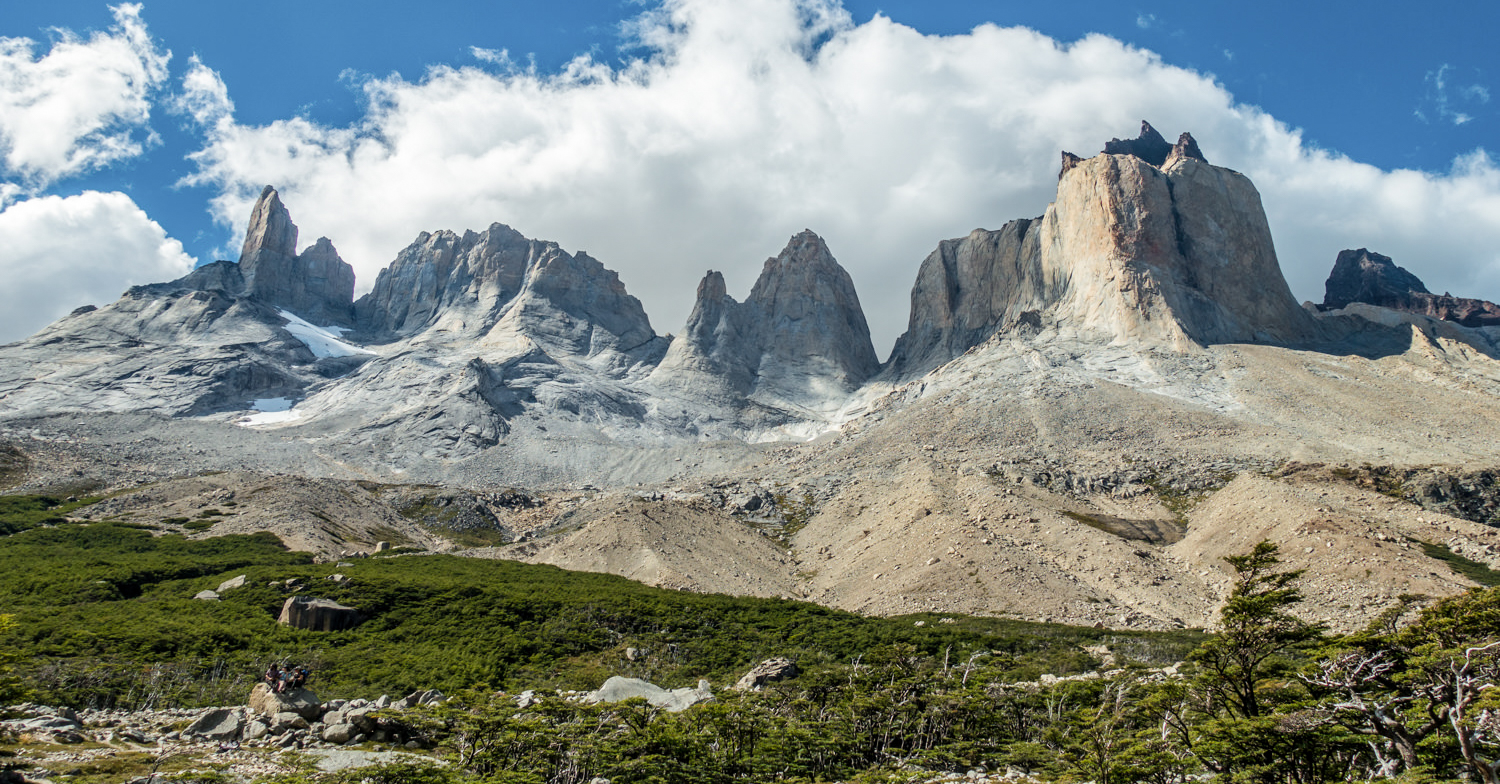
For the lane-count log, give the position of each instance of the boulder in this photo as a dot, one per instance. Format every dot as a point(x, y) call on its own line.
point(255, 729)
point(217, 724)
point(207, 596)
point(338, 733)
point(619, 689)
point(266, 702)
point(231, 584)
point(768, 671)
point(323, 615)
point(288, 720)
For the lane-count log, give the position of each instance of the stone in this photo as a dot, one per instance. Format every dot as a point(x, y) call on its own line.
point(768, 671)
point(231, 584)
point(618, 689)
point(255, 729)
point(207, 596)
point(217, 724)
point(316, 285)
point(324, 615)
point(288, 720)
point(1149, 146)
point(338, 733)
point(267, 703)
point(381, 547)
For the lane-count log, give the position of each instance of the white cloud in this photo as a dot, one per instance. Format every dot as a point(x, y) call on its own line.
point(1145, 21)
point(204, 96)
point(58, 253)
point(83, 105)
point(498, 57)
point(746, 122)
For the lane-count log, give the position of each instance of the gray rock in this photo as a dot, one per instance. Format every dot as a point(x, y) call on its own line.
point(798, 340)
point(288, 720)
point(217, 724)
point(317, 285)
point(618, 689)
point(207, 596)
point(338, 733)
point(267, 703)
point(231, 584)
point(255, 729)
point(324, 615)
point(768, 671)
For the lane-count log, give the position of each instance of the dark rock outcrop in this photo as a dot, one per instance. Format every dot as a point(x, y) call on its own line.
point(768, 671)
point(1149, 146)
point(1365, 276)
point(322, 615)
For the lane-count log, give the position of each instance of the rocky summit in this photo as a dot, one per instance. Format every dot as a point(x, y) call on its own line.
point(1088, 409)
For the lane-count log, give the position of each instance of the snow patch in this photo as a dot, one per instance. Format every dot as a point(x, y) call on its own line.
point(321, 341)
point(271, 411)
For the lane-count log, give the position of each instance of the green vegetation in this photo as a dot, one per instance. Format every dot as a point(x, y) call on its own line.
point(24, 512)
point(1474, 570)
point(107, 617)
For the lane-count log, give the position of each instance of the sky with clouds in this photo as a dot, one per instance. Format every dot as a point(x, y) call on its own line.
point(687, 135)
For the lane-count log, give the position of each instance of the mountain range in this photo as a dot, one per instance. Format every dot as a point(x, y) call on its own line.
point(1088, 409)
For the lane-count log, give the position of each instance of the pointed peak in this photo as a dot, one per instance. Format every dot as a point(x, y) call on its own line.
point(712, 286)
point(1186, 147)
point(1069, 160)
point(1149, 146)
point(271, 228)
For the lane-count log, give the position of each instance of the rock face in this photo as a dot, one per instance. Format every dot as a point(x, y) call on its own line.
point(500, 287)
point(317, 285)
point(799, 338)
point(1146, 243)
point(323, 615)
point(1365, 276)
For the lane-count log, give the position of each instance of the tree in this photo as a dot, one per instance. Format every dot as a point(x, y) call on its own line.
point(1244, 665)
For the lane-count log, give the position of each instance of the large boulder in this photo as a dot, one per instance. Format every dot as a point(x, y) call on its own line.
point(619, 689)
point(768, 671)
point(217, 724)
point(266, 702)
point(322, 615)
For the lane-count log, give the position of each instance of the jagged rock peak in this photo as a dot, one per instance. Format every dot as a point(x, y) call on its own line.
point(800, 339)
point(1186, 147)
point(271, 227)
point(1147, 243)
point(317, 285)
point(811, 309)
point(1365, 276)
point(1149, 146)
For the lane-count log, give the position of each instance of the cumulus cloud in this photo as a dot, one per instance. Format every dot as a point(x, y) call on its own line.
point(741, 123)
point(83, 105)
point(59, 253)
point(204, 96)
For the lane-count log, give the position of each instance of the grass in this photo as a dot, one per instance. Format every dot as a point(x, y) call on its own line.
point(1474, 570)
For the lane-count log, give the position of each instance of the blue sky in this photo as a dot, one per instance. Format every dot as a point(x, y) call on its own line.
point(701, 134)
